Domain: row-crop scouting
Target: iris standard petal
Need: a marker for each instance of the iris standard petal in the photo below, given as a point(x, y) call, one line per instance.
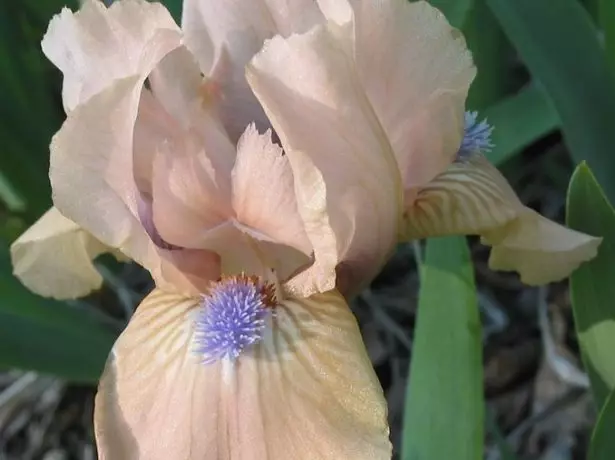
point(225, 35)
point(91, 172)
point(264, 193)
point(306, 391)
point(318, 107)
point(98, 45)
point(416, 71)
point(54, 258)
point(472, 197)
point(198, 204)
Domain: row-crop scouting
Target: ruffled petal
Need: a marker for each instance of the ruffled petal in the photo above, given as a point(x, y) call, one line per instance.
point(224, 37)
point(54, 258)
point(191, 190)
point(253, 227)
point(472, 197)
point(416, 71)
point(98, 45)
point(94, 175)
point(307, 391)
point(311, 194)
point(264, 194)
point(309, 88)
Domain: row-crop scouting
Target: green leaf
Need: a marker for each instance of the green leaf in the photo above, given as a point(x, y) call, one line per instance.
point(592, 287)
point(175, 8)
point(454, 10)
point(602, 445)
point(606, 16)
point(493, 57)
point(506, 452)
point(49, 336)
point(519, 121)
point(444, 413)
point(560, 46)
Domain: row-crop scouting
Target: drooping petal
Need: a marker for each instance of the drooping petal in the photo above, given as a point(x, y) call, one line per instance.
point(54, 258)
point(539, 249)
point(307, 391)
point(225, 35)
point(472, 197)
point(415, 70)
point(319, 108)
point(98, 45)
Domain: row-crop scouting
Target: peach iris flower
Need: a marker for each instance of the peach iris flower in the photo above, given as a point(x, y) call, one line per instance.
point(246, 349)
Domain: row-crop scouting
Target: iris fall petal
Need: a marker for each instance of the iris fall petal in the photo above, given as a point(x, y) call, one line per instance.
point(306, 391)
point(54, 258)
point(472, 197)
point(539, 249)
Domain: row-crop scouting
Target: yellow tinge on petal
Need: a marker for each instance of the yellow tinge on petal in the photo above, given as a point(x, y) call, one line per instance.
point(473, 198)
point(54, 258)
point(306, 391)
point(538, 248)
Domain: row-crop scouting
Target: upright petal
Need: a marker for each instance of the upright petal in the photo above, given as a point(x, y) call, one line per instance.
point(97, 46)
point(264, 194)
point(319, 108)
point(225, 35)
point(305, 392)
point(255, 225)
point(416, 71)
point(92, 169)
point(191, 190)
point(54, 258)
point(472, 197)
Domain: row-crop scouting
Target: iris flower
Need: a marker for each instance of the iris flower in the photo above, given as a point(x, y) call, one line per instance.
point(259, 205)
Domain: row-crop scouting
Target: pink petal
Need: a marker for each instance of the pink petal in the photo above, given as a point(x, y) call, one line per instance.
point(225, 35)
point(322, 114)
point(97, 46)
point(306, 391)
point(191, 191)
point(92, 170)
point(415, 70)
point(264, 194)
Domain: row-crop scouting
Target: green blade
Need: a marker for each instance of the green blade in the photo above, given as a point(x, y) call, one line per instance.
point(454, 10)
point(49, 336)
point(493, 57)
point(560, 46)
point(606, 17)
point(444, 413)
point(518, 121)
point(592, 287)
point(602, 445)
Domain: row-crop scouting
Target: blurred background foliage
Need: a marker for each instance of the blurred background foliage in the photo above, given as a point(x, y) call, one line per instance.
point(546, 81)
